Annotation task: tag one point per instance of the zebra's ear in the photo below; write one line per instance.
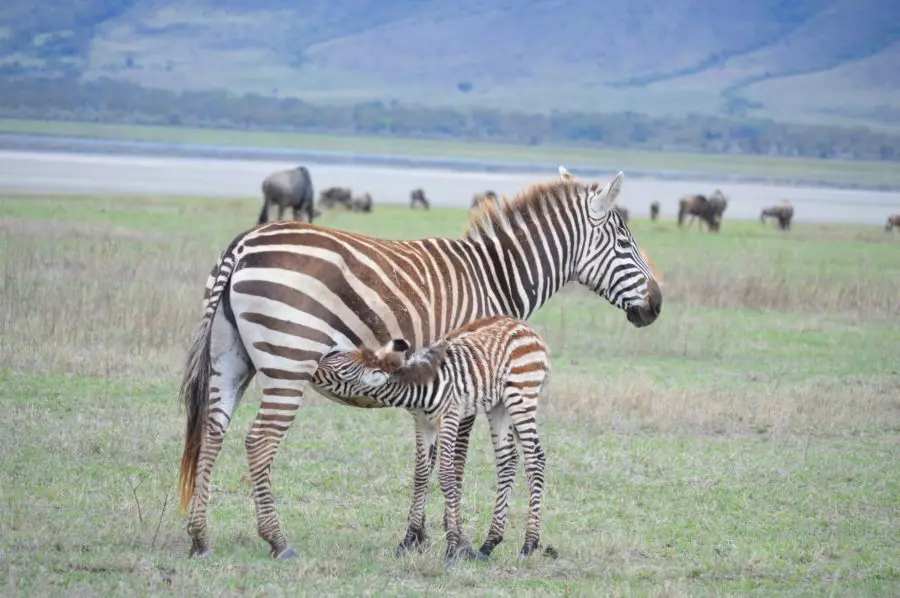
(565, 174)
(604, 200)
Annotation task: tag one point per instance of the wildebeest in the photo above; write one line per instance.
(892, 221)
(623, 212)
(784, 213)
(654, 211)
(336, 196)
(480, 197)
(417, 196)
(363, 203)
(285, 188)
(708, 210)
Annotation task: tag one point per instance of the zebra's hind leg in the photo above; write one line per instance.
(231, 373)
(426, 454)
(282, 396)
(507, 460)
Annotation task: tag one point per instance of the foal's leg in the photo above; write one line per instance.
(523, 416)
(231, 373)
(426, 437)
(447, 430)
(459, 464)
(507, 460)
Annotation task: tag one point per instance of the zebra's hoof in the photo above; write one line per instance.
(286, 554)
(202, 554)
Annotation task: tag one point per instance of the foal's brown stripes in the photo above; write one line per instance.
(496, 365)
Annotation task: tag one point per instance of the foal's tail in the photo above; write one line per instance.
(195, 381)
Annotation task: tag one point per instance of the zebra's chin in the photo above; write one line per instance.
(640, 317)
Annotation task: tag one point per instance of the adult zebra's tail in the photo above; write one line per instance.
(195, 382)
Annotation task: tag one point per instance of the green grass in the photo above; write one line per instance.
(828, 171)
(745, 444)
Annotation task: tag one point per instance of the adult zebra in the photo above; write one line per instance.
(284, 294)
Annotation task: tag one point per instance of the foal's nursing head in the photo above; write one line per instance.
(611, 263)
(359, 372)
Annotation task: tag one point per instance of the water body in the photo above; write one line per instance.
(74, 173)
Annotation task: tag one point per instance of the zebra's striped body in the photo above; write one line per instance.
(284, 294)
(497, 366)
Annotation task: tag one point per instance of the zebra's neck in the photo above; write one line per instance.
(525, 262)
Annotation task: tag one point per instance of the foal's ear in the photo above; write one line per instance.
(400, 345)
(565, 174)
(393, 353)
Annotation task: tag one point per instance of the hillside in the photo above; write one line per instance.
(834, 61)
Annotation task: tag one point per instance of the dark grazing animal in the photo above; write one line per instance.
(654, 211)
(784, 213)
(363, 203)
(496, 365)
(336, 196)
(892, 221)
(286, 188)
(709, 210)
(480, 197)
(283, 295)
(417, 196)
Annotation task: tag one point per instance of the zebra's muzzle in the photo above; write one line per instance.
(646, 314)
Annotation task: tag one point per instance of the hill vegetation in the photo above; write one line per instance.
(817, 62)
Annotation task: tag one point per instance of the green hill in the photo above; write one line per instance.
(828, 61)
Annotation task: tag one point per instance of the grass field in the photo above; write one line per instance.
(745, 444)
(867, 174)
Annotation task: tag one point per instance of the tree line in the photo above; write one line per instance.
(111, 101)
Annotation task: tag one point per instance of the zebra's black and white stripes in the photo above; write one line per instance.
(497, 366)
(285, 294)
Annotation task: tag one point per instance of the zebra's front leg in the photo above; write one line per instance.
(426, 437)
(282, 395)
(507, 462)
(231, 372)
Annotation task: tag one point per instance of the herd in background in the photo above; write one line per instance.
(293, 188)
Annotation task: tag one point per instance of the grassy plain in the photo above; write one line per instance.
(746, 444)
(869, 174)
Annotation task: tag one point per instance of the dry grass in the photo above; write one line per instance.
(103, 299)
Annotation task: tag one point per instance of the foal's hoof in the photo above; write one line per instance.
(203, 554)
(286, 554)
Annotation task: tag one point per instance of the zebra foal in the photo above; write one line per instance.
(497, 366)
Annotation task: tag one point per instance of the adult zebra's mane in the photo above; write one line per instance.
(501, 213)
